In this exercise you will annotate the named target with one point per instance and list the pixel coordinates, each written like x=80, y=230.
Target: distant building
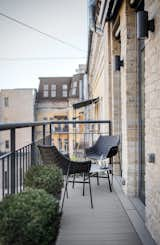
x=54, y=102
x=16, y=105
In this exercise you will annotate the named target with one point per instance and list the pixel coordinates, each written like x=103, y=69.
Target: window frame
x=53, y=90
x=6, y=101
x=65, y=90
x=45, y=90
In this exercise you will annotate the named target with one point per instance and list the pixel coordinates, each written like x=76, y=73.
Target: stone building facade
x=54, y=101
x=16, y=105
x=123, y=70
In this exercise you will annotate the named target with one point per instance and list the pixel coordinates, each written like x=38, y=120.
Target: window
x=53, y=90
x=6, y=101
x=74, y=88
x=7, y=144
x=75, y=84
x=45, y=90
x=64, y=90
x=81, y=89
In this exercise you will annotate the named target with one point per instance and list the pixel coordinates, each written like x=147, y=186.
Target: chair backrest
x=51, y=155
x=105, y=143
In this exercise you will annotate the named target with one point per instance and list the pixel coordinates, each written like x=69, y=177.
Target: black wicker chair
x=105, y=147
x=51, y=155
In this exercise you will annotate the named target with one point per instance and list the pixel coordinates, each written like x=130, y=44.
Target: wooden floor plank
x=106, y=223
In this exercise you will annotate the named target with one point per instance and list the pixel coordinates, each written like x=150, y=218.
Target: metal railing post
x=110, y=128
x=50, y=133
x=33, y=146
x=13, y=148
x=44, y=134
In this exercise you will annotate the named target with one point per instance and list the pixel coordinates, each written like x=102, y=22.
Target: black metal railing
x=15, y=163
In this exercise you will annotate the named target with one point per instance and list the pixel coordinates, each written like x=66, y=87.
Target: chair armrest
x=112, y=152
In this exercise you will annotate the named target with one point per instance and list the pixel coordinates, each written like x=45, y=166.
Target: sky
x=26, y=55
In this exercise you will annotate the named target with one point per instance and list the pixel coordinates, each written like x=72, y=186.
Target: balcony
x=115, y=219
x=109, y=222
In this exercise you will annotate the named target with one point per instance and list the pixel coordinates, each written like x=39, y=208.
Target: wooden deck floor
x=106, y=224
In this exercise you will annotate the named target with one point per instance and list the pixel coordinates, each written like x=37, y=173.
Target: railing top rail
x=5, y=155
x=8, y=126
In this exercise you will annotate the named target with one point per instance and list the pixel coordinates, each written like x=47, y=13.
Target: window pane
x=64, y=93
x=7, y=144
x=45, y=87
x=64, y=86
x=6, y=102
x=74, y=91
x=53, y=86
x=53, y=93
x=45, y=93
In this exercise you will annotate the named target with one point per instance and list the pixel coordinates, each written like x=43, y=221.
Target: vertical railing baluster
x=23, y=166
x=33, y=146
x=26, y=157
x=20, y=171
x=3, y=187
x=50, y=133
x=16, y=158
x=13, y=147
x=30, y=158
x=8, y=174
x=44, y=134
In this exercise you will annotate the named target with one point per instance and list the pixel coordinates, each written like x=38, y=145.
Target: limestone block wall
x=116, y=92
x=152, y=119
x=96, y=74
x=105, y=83
x=129, y=102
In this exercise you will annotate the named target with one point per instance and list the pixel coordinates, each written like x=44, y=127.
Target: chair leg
x=65, y=190
x=74, y=176
x=111, y=170
x=83, y=184
x=109, y=181
x=90, y=190
x=112, y=177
